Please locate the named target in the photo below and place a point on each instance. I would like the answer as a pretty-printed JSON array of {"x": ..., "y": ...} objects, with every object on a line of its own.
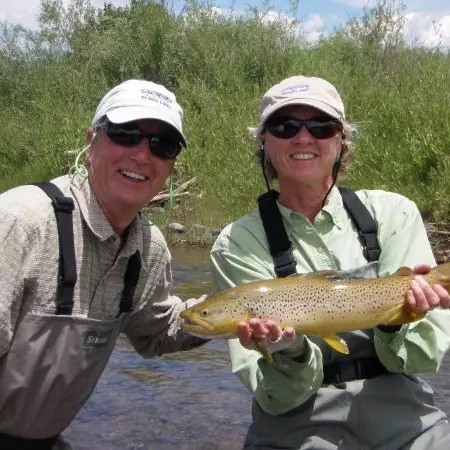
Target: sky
[{"x": 427, "y": 21}]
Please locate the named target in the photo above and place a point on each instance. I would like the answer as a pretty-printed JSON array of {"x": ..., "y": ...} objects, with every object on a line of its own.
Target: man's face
[{"x": 126, "y": 178}]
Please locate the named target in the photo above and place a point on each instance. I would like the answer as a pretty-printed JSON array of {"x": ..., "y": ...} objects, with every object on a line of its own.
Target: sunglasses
[
  {"x": 288, "y": 127},
  {"x": 129, "y": 135}
]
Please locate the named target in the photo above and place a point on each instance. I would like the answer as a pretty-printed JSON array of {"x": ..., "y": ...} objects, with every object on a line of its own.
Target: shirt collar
[
  {"x": 335, "y": 207},
  {"x": 96, "y": 220},
  {"x": 333, "y": 210}
]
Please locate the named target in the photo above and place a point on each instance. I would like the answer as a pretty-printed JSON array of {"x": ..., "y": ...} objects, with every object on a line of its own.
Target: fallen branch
[
  {"x": 183, "y": 186},
  {"x": 161, "y": 197},
  {"x": 446, "y": 233}
]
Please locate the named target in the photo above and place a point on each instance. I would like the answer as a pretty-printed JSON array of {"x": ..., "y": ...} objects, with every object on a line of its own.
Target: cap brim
[
  {"x": 317, "y": 104},
  {"x": 129, "y": 114}
]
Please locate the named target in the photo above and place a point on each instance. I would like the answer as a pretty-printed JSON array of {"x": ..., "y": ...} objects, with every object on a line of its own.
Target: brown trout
[{"x": 319, "y": 303}]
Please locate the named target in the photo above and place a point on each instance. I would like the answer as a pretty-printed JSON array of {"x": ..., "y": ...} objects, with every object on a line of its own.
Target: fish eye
[{"x": 204, "y": 312}]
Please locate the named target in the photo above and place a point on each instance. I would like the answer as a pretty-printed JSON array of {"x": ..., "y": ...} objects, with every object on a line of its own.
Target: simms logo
[{"x": 93, "y": 338}]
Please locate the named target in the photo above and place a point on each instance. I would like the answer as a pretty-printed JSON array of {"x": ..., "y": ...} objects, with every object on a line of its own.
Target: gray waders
[{"x": 55, "y": 361}]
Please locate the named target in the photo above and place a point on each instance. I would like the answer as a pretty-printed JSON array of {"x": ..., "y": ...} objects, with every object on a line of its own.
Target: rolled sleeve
[{"x": 154, "y": 327}]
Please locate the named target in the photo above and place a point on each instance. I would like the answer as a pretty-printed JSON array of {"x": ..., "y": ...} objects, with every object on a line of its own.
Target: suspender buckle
[
  {"x": 371, "y": 250},
  {"x": 285, "y": 264},
  {"x": 63, "y": 204}
]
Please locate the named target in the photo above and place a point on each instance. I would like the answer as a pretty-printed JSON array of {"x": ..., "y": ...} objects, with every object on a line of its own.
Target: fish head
[{"x": 216, "y": 317}]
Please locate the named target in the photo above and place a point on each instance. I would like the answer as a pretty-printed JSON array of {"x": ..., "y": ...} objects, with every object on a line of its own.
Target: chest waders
[
  {"x": 55, "y": 360},
  {"x": 281, "y": 251}
]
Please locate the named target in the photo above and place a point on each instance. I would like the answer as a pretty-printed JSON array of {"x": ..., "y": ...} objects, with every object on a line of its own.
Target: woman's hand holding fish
[
  {"x": 271, "y": 336},
  {"x": 422, "y": 295}
]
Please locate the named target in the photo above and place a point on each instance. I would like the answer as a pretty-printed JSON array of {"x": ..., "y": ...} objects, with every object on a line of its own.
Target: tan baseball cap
[
  {"x": 140, "y": 99},
  {"x": 300, "y": 90}
]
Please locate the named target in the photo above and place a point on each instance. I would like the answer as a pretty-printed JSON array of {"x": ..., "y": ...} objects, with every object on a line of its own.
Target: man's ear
[{"x": 91, "y": 134}]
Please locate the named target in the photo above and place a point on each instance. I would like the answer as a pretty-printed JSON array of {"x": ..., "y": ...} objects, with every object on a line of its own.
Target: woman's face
[{"x": 302, "y": 159}]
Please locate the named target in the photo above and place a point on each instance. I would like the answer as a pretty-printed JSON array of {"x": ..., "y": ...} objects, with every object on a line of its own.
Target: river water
[{"x": 186, "y": 400}]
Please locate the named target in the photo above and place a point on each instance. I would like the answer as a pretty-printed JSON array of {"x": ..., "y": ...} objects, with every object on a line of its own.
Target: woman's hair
[{"x": 347, "y": 149}]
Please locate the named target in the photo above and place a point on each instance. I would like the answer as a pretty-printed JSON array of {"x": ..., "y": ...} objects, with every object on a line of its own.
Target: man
[{"x": 56, "y": 338}]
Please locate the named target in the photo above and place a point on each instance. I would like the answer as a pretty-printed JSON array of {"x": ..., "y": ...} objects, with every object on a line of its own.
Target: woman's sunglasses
[
  {"x": 288, "y": 127},
  {"x": 129, "y": 135}
]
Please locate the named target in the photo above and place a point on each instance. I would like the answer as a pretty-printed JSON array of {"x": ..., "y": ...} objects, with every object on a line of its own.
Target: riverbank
[{"x": 201, "y": 236}]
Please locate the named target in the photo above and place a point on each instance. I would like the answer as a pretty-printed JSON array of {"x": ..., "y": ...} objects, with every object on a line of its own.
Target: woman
[{"x": 376, "y": 401}]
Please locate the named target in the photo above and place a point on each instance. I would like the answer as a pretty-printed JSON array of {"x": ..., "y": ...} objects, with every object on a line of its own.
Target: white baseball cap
[
  {"x": 300, "y": 90},
  {"x": 141, "y": 99}
]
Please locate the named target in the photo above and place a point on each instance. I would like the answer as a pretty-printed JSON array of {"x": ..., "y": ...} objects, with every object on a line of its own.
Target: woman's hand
[
  {"x": 422, "y": 295},
  {"x": 271, "y": 336}
]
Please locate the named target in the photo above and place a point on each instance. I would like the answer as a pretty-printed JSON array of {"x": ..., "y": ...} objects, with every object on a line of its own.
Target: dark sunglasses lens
[
  {"x": 288, "y": 128},
  {"x": 160, "y": 146},
  {"x": 164, "y": 148},
  {"x": 125, "y": 138},
  {"x": 323, "y": 130},
  {"x": 284, "y": 130}
]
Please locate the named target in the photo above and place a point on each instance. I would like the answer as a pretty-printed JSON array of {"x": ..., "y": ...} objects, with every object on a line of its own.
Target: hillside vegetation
[{"x": 219, "y": 66}]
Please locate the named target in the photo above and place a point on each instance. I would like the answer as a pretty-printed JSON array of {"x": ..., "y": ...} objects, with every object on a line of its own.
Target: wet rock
[{"x": 176, "y": 227}]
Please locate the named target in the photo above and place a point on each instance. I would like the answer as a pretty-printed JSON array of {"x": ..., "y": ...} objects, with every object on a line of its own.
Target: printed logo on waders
[{"x": 93, "y": 338}]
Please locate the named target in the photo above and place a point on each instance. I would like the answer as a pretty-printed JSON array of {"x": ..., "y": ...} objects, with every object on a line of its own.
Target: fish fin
[
  {"x": 402, "y": 314},
  {"x": 318, "y": 274},
  {"x": 261, "y": 347},
  {"x": 403, "y": 271},
  {"x": 368, "y": 271},
  {"x": 337, "y": 343}
]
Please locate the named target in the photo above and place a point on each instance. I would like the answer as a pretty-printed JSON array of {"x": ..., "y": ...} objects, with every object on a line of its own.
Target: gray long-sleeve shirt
[{"x": 29, "y": 268}]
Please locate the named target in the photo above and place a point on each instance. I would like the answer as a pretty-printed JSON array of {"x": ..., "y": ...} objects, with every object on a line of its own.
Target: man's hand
[{"x": 424, "y": 297}]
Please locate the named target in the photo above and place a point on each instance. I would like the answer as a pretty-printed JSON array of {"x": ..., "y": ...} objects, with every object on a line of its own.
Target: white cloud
[
  {"x": 429, "y": 30},
  {"x": 25, "y": 12},
  {"x": 313, "y": 27},
  {"x": 272, "y": 16}
]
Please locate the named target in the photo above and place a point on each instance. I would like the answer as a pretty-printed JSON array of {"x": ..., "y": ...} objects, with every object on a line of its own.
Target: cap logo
[
  {"x": 296, "y": 88},
  {"x": 157, "y": 97}
]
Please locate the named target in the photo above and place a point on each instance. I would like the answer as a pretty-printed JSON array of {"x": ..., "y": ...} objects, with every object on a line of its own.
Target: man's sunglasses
[
  {"x": 288, "y": 127},
  {"x": 129, "y": 135}
]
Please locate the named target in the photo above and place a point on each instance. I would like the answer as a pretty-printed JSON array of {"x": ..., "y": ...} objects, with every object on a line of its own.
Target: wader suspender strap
[
  {"x": 280, "y": 246},
  {"x": 367, "y": 227},
  {"x": 67, "y": 276},
  {"x": 130, "y": 281}
]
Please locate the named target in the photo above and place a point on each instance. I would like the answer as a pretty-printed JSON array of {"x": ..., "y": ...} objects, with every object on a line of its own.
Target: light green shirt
[{"x": 241, "y": 254}]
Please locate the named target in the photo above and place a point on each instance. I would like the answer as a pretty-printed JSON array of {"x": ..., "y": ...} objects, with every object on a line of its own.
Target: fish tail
[
  {"x": 444, "y": 275},
  {"x": 402, "y": 314}
]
